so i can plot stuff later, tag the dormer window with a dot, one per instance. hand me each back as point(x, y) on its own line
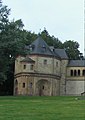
point(44, 48)
point(31, 47)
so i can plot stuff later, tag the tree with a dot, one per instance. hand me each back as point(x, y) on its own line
point(11, 44)
point(71, 48)
point(51, 40)
point(4, 12)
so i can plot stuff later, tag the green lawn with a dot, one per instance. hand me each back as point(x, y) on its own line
point(41, 108)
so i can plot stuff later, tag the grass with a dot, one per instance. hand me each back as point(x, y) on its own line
point(41, 108)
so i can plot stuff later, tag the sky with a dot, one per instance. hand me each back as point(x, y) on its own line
point(62, 18)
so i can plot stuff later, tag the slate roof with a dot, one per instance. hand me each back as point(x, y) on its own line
point(27, 59)
point(40, 47)
point(61, 53)
point(76, 63)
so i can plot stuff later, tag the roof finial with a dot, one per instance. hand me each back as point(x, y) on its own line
point(44, 28)
point(39, 32)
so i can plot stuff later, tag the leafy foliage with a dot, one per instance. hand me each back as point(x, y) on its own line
point(71, 48)
point(51, 40)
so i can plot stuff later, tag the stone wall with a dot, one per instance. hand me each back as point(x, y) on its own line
point(63, 77)
point(74, 87)
point(75, 68)
point(36, 85)
point(52, 66)
point(18, 65)
point(27, 89)
point(75, 83)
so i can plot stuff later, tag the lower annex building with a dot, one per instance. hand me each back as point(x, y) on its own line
point(46, 71)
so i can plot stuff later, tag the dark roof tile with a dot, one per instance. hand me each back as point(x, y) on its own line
point(39, 46)
point(76, 63)
point(61, 53)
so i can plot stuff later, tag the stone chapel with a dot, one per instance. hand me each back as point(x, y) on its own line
point(47, 71)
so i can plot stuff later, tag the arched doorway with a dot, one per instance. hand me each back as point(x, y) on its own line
point(43, 87)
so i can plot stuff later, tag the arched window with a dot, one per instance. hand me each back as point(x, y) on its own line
point(71, 73)
point(16, 82)
point(24, 67)
point(23, 85)
point(83, 73)
point(75, 72)
point(43, 87)
point(78, 72)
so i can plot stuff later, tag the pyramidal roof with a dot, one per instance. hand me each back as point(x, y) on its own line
point(39, 46)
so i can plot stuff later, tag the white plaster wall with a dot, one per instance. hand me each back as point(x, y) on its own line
point(74, 87)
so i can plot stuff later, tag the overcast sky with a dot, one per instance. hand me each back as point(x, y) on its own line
point(62, 18)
